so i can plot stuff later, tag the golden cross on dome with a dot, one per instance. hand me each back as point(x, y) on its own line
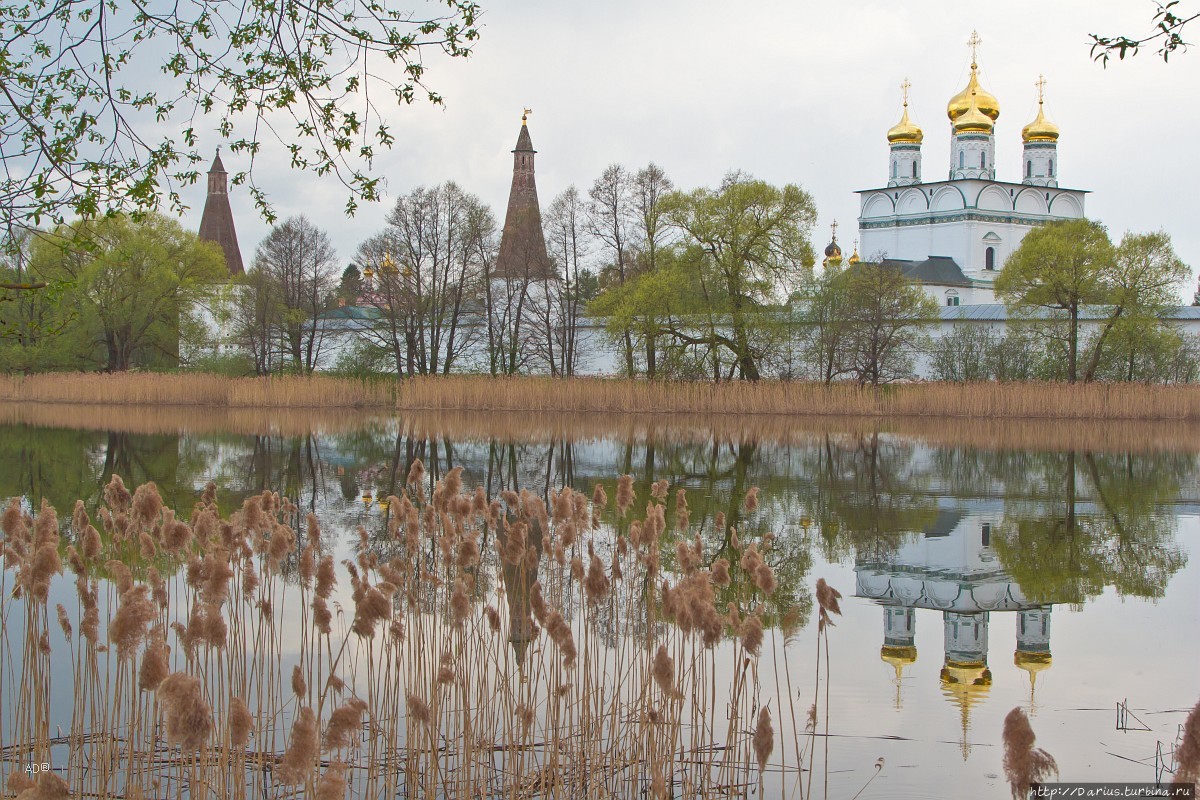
point(974, 43)
point(1041, 87)
point(834, 228)
point(904, 87)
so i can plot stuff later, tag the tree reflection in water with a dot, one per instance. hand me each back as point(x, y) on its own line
point(963, 532)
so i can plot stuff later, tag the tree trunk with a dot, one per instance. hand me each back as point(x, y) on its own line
point(1073, 345)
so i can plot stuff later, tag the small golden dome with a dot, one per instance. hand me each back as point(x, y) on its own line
point(985, 101)
point(1041, 129)
point(854, 259)
point(974, 120)
point(905, 130)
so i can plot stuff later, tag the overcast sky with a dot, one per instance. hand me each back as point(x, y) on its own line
point(790, 91)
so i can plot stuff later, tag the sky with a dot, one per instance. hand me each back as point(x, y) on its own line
point(790, 91)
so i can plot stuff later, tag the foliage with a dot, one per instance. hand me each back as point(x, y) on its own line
point(1066, 266)
point(104, 105)
point(1166, 32)
point(755, 241)
point(963, 354)
point(132, 291)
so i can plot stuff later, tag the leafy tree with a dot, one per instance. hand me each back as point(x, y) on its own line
point(104, 105)
point(755, 241)
point(648, 187)
point(824, 325)
point(963, 354)
point(885, 319)
point(1144, 281)
point(135, 285)
point(1061, 265)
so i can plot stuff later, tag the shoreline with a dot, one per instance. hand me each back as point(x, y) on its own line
point(611, 396)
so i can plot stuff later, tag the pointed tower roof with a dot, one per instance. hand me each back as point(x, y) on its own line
point(216, 225)
point(522, 243)
point(524, 143)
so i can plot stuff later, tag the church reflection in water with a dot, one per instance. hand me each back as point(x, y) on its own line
point(950, 567)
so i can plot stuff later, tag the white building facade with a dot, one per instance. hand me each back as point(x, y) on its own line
point(953, 235)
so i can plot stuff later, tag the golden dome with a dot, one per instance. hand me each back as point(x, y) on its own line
point(973, 120)
point(854, 259)
point(986, 102)
point(1041, 129)
point(905, 130)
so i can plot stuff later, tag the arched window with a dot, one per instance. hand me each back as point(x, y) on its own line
point(989, 258)
point(893, 169)
point(914, 165)
point(1051, 168)
point(951, 298)
point(962, 158)
point(983, 160)
point(1029, 169)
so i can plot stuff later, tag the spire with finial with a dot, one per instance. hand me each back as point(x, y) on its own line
point(522, 243)
point(216, 224)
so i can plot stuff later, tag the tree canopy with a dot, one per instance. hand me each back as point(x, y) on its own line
point(105, 104)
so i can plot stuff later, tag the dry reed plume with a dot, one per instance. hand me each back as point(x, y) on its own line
point(1024, 764)
point(469, 647)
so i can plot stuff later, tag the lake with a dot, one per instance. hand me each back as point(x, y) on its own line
point(982, 567)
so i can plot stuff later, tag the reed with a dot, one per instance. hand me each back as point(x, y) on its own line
point(616, 396)
point(503, 647)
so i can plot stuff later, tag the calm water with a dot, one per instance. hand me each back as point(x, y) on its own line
point(975, 580)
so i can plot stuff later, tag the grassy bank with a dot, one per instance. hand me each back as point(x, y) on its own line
point(615, 396)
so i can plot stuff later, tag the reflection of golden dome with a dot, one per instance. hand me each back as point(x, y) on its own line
point(1040, 130)
point(899, 657)
point(974, 120)
point(961, 103)
point(1033, 663)
point(965, 684)
point(905, 130)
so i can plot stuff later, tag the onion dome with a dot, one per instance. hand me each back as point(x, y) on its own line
point(905, 131)
point(832, 250)
point(1041, 129)
point(854, 259)
point(1032, 662)
point(974, 120)
point(985, 101)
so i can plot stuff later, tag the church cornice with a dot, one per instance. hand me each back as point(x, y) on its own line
point(957, 215)
point(933, 186)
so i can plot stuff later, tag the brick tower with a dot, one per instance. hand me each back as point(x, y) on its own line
point(522, 244)
point(217, 223)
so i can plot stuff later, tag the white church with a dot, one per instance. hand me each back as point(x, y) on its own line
point(953, 235)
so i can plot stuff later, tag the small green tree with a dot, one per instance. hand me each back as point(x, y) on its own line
point(1143, 281)
point(963, 354)
point(887, 315)
point(1059, 266)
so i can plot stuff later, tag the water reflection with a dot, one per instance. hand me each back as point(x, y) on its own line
point(966, 533)
point(951, 568)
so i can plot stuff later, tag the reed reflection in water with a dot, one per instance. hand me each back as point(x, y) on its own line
point(1064, 524)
